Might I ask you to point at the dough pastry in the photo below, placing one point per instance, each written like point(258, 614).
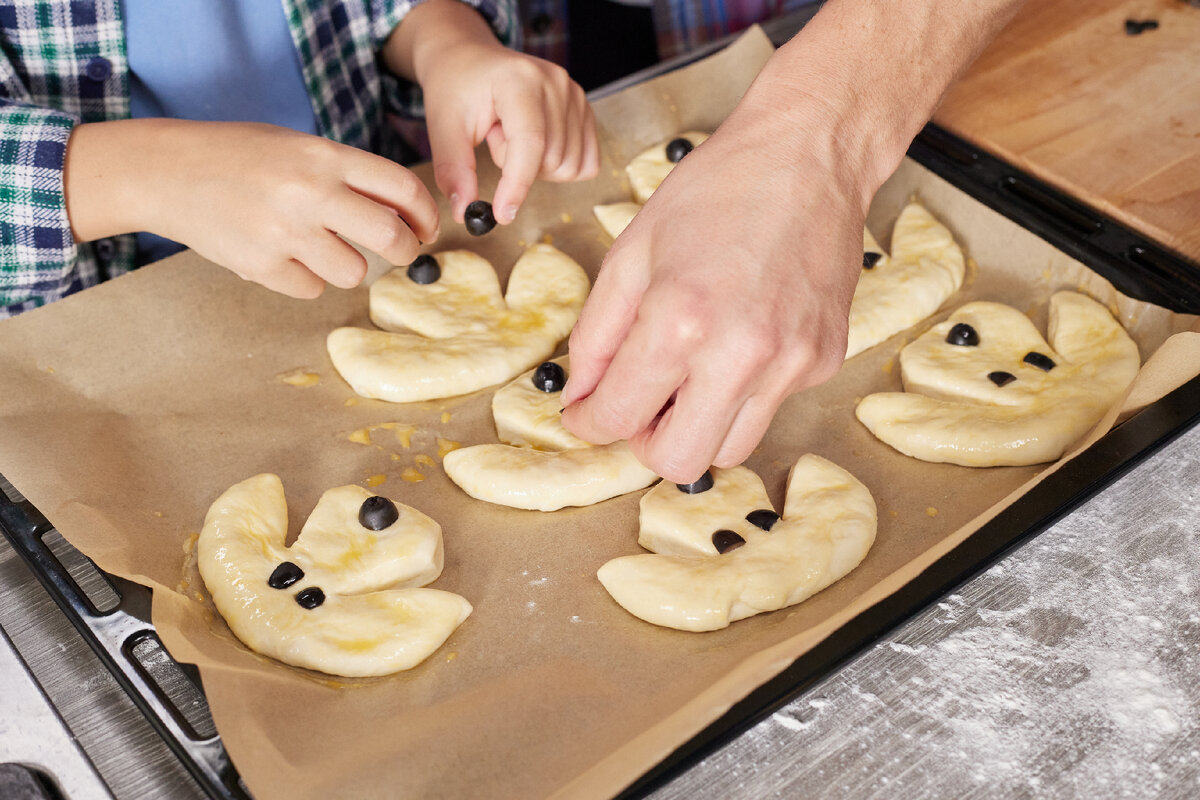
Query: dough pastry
point(456, 333)
point(542, 466)
point(984, 389)
point(343, 598)
point(722, 555)
point(646, 172)
point(896, 292)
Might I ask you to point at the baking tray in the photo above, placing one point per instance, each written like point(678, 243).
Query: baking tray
point(119, 630)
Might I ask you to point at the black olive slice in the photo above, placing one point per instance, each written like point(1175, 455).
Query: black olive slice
point(478, 218)
point(1136, 27)
point(1042, 362)
point(549, 377)
point(963, 335)
point(677, 149)
point(763, 518)
point(725, 541)
point(285, 575)
point(1001, 378)
point(702, 484)
point(424, 270)
point(377, 513)
point(871, 259)
point(310, 598)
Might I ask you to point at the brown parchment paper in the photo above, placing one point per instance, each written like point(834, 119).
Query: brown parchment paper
point(127, 409)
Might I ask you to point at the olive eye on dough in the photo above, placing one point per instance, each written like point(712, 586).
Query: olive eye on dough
point(285, 575)
point(377, 513)
point(479, 218)
point(763, 518)
point(702, 484)
point(677, 149)
point(310, 598)
point(871, 259)
point(1001, 378)
point(424, 270)
point(1036, 359)
point(725, 541)
point(963, 335)
point(549, 377)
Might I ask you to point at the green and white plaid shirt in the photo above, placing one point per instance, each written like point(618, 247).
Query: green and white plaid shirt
point(63, 62)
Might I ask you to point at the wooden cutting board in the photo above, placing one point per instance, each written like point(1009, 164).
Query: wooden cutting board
point(1113, 119)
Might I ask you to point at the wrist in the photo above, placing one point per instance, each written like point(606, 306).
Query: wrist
point(430, 32)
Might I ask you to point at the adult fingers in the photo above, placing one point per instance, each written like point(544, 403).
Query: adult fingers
point(589, 165)
point(330, 258)
point(638, 382)
point(391, 185)
point(453, 150)
point(610, 310)
point(690, 434)
point(375, 227)
point(748, 428)
point(523, 115)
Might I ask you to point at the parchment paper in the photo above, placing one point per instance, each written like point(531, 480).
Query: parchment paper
point(127, 409)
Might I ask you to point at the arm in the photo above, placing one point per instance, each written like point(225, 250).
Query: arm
point(36, 247)
point(535, 119)
point(265, 202)
point(731, 289)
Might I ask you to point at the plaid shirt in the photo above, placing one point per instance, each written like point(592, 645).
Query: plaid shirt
point(63, 62)
point(680, 25)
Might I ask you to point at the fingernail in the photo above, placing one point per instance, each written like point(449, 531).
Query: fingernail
point(454, 203)
point(510, 213)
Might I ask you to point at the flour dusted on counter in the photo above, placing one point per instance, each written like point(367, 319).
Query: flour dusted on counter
point(1069, 670)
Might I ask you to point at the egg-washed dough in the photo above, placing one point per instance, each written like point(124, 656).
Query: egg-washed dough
point(458, 334)
point(541, 466)
point(646, 172)
point(924, 269)
point(374, 620)
point(827, 527)
point(952, 412)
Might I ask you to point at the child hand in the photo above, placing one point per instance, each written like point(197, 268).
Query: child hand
point(266, 202)
point(535, 119)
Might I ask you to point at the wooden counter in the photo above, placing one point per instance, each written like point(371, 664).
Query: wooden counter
point(1067, 95)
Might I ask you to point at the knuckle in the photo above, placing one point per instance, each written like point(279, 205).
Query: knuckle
point(614, 421)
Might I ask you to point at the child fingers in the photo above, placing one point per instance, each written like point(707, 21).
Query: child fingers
point(291, 278)
point(523, 116)
point(331, 259)
point(391, 185)
point(453, 151)
point(577, 116)
point(375, 227)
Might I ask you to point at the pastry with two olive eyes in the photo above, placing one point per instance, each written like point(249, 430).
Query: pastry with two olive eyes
point(984, 389)
point(721, 553)
point(447, 330)
point(346, 598)
point(540, 465)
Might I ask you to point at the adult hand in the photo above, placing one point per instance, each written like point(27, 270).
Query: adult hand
point(535, 119)
point(266, 202)
point(731, 288)
point(727, 293)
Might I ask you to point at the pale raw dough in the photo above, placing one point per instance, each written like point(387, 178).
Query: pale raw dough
point(952, 412)
point(827, 527)
point(924, 269)
point(458, 335)
point(646, 172)
point(374, 621)
point(542, 466)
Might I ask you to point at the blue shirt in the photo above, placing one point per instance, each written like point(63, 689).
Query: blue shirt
point(218, 60)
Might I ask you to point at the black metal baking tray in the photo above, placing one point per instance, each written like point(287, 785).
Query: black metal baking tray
point(1135, 265)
